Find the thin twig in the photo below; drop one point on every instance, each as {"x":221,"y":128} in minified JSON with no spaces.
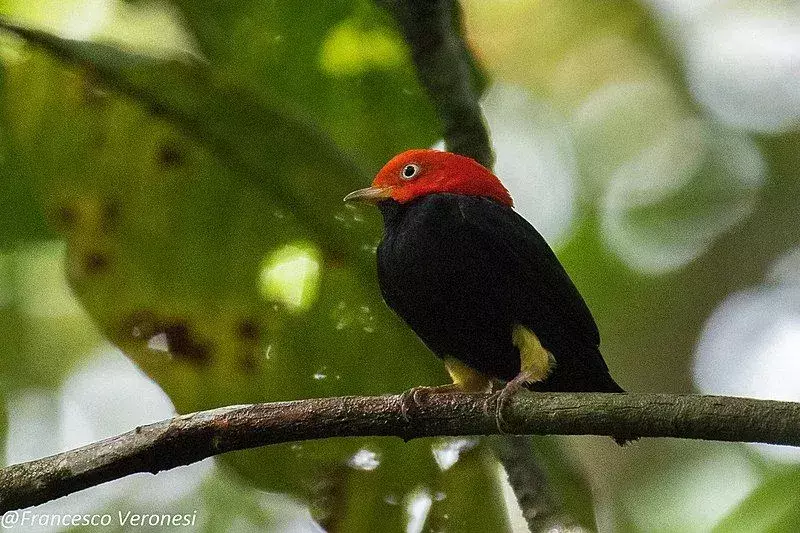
{"x":190,"y":438}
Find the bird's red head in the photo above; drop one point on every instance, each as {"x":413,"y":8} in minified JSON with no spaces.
{"x":415,"y":173}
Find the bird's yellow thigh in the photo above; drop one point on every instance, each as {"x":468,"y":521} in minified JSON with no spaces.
{"x":466,"y":379}
{"x":535,"y":361}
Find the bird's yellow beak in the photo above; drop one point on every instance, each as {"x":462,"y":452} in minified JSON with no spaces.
{"x":370,"y":195}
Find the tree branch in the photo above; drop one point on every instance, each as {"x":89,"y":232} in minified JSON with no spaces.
{"x":531,"y":487}
{"x":445,"y":69}
{"x":189,"y":438}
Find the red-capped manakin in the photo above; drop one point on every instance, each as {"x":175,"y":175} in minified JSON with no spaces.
{"x":476,"y":282}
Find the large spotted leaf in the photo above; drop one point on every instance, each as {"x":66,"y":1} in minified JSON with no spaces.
{"x":213,"y":282}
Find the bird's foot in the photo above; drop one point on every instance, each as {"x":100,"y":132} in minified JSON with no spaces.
{"x":504,"y":396}
{"x":413,"y":398}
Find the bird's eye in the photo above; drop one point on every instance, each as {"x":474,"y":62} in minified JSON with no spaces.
{"x":409,"y":171}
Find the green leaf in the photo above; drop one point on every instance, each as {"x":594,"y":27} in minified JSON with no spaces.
{"x":23,"y":217}
{"x":289,"y":158}
{"x":457,"y":505}
{"x":219,"y":256}
{"x":774,"y":507}
{"x":343,"y":63}
{"x":3,"y":428}
{"x":215,"y":286}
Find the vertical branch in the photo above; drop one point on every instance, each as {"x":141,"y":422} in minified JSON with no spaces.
{"x":541,"y":510}
{"x":444,"y":68}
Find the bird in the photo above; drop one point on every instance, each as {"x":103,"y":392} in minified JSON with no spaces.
{"x":477,"y":283}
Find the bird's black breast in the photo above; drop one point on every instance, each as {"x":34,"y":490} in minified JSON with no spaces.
{"x":463,"y":270}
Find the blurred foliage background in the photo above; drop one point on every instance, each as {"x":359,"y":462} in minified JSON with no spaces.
{"x":172,"y":239}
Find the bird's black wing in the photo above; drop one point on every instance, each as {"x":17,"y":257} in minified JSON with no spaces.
{"x":546,"y":299}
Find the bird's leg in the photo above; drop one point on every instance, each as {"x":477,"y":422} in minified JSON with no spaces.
{"x":536,"y":363}
{"x":506,"y":393}
{"x":465,"y":380}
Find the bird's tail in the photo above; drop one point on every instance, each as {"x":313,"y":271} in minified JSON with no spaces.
{"x":577,"y":380}
{"x":604,"y":383}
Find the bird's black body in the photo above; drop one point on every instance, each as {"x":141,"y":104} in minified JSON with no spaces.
{"x":463,"y":270}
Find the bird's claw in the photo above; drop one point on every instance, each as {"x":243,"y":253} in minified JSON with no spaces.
{"x":413,"y":398}
{"x":501,"y":399}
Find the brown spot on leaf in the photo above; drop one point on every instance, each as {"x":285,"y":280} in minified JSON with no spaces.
{"x":248,"y":330}
{"x":65,"y":217}
{"x":112,"y":209}
{"x":170,"y":157}
{"x":182,"y":345}
{"x":95,"y":263}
